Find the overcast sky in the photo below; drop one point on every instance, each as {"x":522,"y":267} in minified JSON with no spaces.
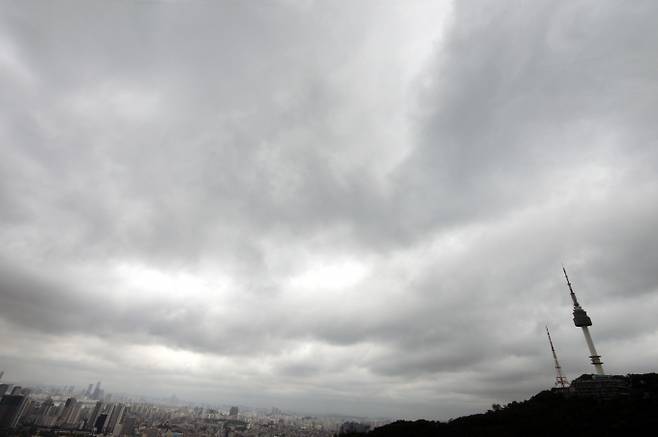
{"x":354,"y":207}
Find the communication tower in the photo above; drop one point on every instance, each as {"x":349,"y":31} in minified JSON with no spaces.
{"x":560,"y":380}
{"x":582,"y":320}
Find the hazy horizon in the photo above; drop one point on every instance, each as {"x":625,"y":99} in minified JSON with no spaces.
{"x":346,"y":207}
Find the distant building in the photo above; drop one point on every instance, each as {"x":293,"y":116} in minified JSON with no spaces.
{"x":98,"y":394}
{"x":233,"y":411}
{"x":151,"y":432}
{"x":4,"y":388}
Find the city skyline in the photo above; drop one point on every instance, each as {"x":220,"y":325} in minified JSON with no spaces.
{"x":344,"y":207}
{"x":69,"y":411}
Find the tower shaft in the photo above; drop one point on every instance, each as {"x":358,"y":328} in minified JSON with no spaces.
{"x":594,"y":356}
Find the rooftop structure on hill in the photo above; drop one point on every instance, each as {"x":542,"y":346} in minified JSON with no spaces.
{"x":600,"y":386}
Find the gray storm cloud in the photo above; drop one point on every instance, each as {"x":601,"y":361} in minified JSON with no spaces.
{"x":328,"y":206}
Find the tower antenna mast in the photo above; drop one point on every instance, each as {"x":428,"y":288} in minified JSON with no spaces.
{"x":560,"y":380}
{"x":582,"y":320}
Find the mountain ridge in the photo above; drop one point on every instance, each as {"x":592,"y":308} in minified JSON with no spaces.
{"x":578,"y":410}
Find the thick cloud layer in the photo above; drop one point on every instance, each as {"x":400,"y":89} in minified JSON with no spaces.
{"x":332,"y":207}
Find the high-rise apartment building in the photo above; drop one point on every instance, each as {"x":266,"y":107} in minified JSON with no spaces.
{"x":67,"y":416}
{"x":111,"y":425}
{"x":91,"y":420}
{"x":12,"y":408}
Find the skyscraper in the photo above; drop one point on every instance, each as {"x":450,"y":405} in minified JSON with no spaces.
{"x":96,"y":395}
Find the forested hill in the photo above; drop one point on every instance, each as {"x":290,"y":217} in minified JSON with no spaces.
{"x":548,"y":413}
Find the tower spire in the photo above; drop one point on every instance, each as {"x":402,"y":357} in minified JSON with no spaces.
{"x":582,"y":320}
{"x":573,"y":295}
{"x":560,"y":380}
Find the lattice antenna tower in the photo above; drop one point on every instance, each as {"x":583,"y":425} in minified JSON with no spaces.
{"x":560,"y":379}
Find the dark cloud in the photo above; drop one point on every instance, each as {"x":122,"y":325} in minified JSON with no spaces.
{"x":358,"y":209}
